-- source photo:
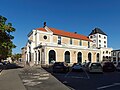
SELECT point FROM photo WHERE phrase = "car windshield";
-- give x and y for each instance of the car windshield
(109, 64)
(58, 64)
(96, 65)
(77, 64)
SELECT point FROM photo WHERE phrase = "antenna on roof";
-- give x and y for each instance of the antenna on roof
(44, 24)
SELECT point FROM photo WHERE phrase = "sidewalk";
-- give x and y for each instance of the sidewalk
(9, 80)
(30, 78)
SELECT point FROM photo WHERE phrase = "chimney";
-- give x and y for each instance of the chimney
(44, 24)
(75, 32)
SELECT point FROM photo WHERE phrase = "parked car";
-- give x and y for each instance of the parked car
(60, 67)
(85, 65)
(114, 62)
(1, 65)
(77, 67)
(108, 67)
(95, 68)
(118, 66)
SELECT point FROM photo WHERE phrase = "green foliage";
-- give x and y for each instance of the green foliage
(16, 56)
(6, 38)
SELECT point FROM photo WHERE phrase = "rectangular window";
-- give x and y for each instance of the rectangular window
(99, 41)
(59, 40)
(114, 53)
(88, 44)
(104, 45)
(99, 45)
(70, 40)
(80, 43)
(99, 36)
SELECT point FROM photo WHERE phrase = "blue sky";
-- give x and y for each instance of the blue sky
(81, 16)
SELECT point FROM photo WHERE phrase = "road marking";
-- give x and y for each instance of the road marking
(36, 74)
(34, 77)
(107, 86)
(44, 74)
(65, 82)
(24, 80)
(43, 78)
(78, 77)
(32, 83)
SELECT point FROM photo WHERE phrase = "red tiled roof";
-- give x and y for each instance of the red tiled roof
(66, 34)
(41, 29)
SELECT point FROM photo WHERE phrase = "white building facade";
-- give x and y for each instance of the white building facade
(48, 44)
(99, 39)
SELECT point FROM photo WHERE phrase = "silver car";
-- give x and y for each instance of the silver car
(95, 68)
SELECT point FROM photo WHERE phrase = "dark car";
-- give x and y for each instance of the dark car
(60, 67)
(118, 66)
(1, 66)
(77, 67)
(108, 66)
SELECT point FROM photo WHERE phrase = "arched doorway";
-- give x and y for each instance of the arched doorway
(98, 57)
(67, 57)
(52, 56)
(89, 57)
(79, 57)
(29, 56)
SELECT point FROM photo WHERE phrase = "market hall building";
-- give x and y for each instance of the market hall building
(46, 45)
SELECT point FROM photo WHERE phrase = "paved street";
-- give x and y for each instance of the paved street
(39, 79)
(85, 81)
(36, 78)
(30, 78)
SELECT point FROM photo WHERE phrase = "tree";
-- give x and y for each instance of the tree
(6, 44)
(16, 56)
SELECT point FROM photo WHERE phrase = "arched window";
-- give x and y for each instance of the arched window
(67, 57)
(79, 57)
(104, 58)
(52, 56)
(98, 56)
(89, 57)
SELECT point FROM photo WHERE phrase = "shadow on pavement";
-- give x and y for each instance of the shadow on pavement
(60, 76)
(10, 66)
